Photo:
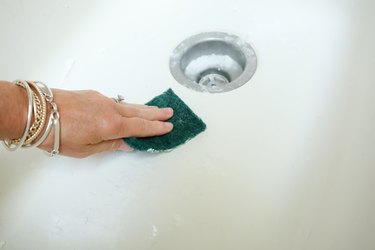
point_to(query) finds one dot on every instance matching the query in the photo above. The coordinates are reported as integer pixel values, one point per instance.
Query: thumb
(112, 145)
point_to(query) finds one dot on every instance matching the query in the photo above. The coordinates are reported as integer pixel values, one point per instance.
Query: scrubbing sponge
(186, 125)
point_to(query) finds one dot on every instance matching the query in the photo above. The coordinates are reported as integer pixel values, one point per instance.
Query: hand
(91, 123)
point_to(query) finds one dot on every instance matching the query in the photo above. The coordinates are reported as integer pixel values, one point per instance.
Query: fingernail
(169, 125)
(169, 111)
(126, 148)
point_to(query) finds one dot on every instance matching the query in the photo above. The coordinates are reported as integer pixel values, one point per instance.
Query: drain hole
(213, 77)
(213, 62)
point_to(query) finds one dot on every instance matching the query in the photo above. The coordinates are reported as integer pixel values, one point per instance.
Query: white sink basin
(287, 161)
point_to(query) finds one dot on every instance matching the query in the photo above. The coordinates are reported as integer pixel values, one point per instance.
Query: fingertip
(169, 111)
(169, 126)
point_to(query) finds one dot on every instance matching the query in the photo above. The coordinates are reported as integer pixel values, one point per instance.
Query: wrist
(12, 107)
(13, 110)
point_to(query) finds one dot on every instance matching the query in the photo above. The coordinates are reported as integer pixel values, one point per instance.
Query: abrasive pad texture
(186, 125)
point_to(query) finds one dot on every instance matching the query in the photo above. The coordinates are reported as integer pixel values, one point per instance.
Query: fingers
(138, 127)
(133, 127)
(134, 120)
(145, 112)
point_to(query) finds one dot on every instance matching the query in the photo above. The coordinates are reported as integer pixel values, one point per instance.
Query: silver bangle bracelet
(54, 119)
(13, 147)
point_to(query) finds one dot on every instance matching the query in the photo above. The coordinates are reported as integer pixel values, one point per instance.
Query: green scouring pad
(186, 125)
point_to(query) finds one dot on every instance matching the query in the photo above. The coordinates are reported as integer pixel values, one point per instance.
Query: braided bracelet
(40, 118)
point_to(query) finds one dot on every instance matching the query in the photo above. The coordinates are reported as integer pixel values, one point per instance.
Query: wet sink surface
(286, 162)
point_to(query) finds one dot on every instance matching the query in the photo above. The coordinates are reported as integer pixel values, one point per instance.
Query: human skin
(90, 122)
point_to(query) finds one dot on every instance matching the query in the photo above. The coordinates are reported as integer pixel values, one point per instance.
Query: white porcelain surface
(287, 161)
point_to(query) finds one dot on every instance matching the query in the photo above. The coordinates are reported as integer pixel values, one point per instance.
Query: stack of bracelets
(39, 95)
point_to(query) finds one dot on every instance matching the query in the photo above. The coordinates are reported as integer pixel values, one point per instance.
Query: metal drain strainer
(213, 62)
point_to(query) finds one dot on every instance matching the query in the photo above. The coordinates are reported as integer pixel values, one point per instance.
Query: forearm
(89, 122)
(13, 110)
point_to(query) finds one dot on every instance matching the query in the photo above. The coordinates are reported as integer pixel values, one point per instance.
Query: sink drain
(213, 62)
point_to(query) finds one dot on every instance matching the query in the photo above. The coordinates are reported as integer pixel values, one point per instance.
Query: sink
(287, 160)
